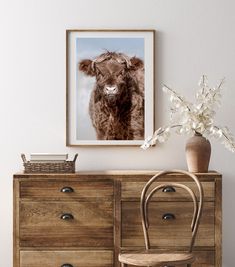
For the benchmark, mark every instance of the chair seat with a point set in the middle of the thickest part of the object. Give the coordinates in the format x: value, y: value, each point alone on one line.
x: 150, y: 258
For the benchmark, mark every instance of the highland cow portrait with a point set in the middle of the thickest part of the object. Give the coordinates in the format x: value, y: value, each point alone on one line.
x: 109, y: 100
x: 116, y: 105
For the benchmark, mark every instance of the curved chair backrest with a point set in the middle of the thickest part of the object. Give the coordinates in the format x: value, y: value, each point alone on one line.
x: 146, y: 196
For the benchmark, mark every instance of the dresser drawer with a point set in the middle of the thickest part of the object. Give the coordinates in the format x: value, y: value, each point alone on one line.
x: 59, y: 258
x: 133, y: 190
x: 203, y: 259
x: 172, y: 232
x: 60, y: 189
x: 50, y: 224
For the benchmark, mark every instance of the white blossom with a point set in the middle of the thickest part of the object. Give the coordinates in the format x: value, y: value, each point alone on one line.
x: 147, y: 143
x: 189, y: 118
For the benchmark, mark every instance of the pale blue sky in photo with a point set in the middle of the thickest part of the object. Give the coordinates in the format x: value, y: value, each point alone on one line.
x: 90, y: 48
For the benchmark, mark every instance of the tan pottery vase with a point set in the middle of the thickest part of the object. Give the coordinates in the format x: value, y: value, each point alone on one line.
x: 198, y: 152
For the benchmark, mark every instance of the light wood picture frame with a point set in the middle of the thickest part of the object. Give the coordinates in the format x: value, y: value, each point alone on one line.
x: 109, y: 86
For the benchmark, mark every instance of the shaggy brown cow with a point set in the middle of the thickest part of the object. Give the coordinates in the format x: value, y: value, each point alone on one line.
x: 117, y: 101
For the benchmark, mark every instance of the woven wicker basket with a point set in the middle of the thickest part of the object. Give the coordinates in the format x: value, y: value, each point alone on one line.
x: 49, y: 167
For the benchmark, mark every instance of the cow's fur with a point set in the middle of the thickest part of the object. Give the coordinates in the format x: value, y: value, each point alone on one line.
x: 117, y: 101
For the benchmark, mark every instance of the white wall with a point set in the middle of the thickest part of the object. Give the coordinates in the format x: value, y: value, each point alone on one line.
x: 193, y: 37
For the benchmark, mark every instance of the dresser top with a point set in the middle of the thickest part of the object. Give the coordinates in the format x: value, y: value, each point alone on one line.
x: 108, y: 173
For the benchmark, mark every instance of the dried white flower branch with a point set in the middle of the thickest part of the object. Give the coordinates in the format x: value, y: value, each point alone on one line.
x: 189, y: 118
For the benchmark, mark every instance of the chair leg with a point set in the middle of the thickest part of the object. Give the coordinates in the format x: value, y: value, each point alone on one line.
x: 188, y: 265
x: 123, y: 264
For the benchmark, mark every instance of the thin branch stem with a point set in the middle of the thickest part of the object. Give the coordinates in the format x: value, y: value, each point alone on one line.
x: 225, y: 136
x: 222, y: 81
x: 203, y: 81
x: 179, y: 97
x: 164, y: 129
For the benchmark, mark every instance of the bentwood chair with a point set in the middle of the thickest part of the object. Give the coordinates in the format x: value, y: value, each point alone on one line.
x: 150, y: 257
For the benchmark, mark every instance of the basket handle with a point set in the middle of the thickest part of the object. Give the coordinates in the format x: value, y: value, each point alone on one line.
x: 75, y: 157
x: 23, y: 158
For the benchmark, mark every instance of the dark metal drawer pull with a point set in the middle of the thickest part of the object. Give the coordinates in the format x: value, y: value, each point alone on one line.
x: 168, y: 216
x: 67, y: 265
x: 168, y: 189
x: 67, y: 189
x: 66, y: 216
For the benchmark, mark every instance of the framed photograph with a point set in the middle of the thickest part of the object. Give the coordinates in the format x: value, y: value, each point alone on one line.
x: 109, y: 86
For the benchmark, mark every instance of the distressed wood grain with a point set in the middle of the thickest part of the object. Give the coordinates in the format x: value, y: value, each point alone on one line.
x: 89, y: 258
x: 105, y: 207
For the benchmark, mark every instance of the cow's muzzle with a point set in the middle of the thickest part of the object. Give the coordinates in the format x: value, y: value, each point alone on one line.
x: 111, y: 90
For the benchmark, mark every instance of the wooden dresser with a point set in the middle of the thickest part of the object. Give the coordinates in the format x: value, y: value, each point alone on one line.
x: 86, y: 219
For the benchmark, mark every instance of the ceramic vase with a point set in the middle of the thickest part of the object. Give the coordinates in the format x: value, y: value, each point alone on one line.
x: 198, y: 152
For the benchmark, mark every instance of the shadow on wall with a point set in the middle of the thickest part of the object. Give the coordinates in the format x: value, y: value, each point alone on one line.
x: 159, y: 67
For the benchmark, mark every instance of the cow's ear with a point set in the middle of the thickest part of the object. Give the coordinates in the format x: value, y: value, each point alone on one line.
x: 136, y: 63
x: 86, y: 66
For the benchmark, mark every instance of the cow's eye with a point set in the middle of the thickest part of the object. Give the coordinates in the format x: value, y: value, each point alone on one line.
x: 99, y: 73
